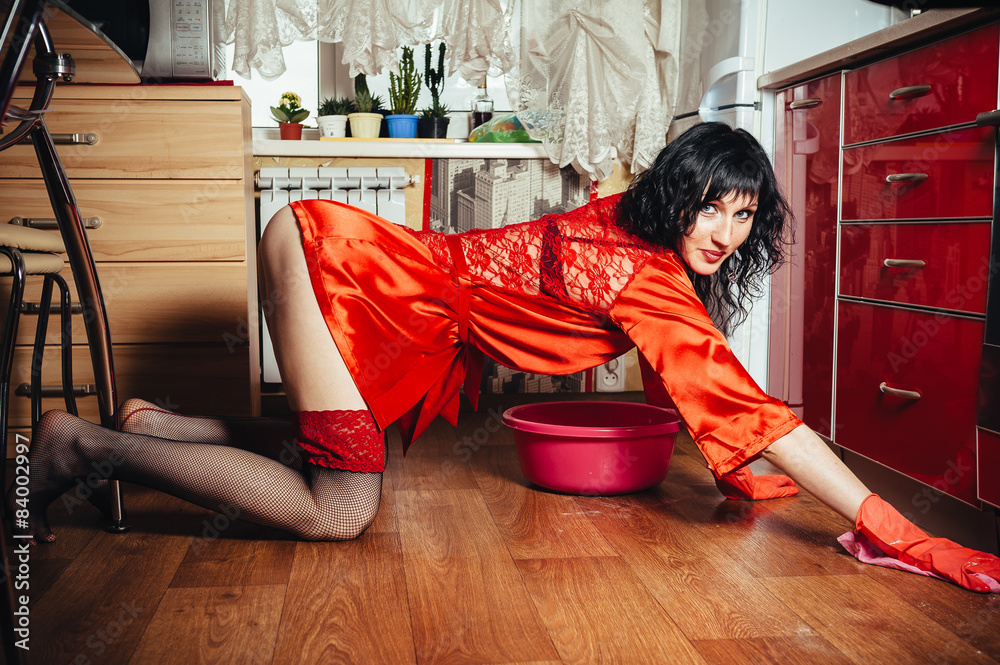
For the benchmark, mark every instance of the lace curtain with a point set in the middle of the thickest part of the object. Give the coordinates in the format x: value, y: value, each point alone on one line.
x: 594, y: 76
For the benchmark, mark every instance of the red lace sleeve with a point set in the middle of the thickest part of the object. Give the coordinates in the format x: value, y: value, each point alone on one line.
x: 581, y: 258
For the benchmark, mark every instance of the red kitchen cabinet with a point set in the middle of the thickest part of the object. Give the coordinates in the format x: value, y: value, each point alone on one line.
x: 807, y: 144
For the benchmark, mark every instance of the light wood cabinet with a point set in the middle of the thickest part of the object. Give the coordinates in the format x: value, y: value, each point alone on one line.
x: 169, y: 179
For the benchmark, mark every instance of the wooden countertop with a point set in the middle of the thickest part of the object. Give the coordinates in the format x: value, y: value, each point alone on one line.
x: 935, y: 23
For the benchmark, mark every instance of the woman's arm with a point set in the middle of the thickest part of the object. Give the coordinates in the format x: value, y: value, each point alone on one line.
x: 810, y: 462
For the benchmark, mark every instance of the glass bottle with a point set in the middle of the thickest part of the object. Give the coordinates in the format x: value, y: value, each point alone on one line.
x: 482, y: 107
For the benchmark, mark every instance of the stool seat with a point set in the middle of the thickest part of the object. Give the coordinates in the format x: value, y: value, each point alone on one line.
x: 42, y: 251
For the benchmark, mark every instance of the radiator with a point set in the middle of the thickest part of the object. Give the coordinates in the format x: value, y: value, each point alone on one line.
x: 377, y: 189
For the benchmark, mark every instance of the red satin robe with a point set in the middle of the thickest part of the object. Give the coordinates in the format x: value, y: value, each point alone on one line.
x: 413, y: 313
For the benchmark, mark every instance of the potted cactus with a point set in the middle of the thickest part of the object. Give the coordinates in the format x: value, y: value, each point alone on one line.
x: 433, y: 121
x: 403, y: 93
x: 290, y: 114
x: 365, y: 123
x: 332, y: 117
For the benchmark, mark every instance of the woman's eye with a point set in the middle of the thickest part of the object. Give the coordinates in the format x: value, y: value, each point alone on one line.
x: 745, y: 214
x: 708, y: 209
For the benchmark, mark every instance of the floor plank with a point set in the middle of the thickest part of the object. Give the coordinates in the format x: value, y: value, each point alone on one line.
x: 247, y: 555
x: 467, y: 601
x: 810, y: 649
x: 704, y: 590
x: 102, y: 602
x: 436, y: 462
x: 346, y: 603
x: 862, y: 619
x: 791, y: 536
x: 597, y: 611
x: 534, y: 523
x: 213, y: 625
x: 973, y: 617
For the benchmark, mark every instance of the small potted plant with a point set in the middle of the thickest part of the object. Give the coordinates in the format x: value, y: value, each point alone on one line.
x: 403, y: 93
x: 290, y: 114
x: 365, y: 122
x: 433, y: 121
x: 332, y: 117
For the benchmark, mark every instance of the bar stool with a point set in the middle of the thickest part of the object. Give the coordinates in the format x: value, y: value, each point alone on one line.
x: 25, y: 252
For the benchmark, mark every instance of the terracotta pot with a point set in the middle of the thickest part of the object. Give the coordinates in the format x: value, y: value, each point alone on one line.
x: 290, y: 131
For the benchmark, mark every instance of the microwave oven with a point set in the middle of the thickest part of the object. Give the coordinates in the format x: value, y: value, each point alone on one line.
x: 167, y: 40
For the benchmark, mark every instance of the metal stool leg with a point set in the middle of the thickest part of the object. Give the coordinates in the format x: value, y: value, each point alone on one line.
x: 65, y: 344
x: 95, y: 316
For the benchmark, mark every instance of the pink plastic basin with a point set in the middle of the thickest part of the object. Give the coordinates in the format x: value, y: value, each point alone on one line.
x: 591, y: 447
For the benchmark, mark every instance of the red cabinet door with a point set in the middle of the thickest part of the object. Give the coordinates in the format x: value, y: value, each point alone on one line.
x: 942, y: 84
x: 807, y: 141
x: 907, y: 392
x: 948, y: 175
x: 946, y: 266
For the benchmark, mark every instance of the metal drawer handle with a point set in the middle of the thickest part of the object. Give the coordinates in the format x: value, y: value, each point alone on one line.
x: 906, y: 177
x: 904, y: 263
x: 80, y: 390
x: 88, y: 138
x: 898, y: 392
x: 909, y: 92
x: 40, y: 223
x: 812, y: 102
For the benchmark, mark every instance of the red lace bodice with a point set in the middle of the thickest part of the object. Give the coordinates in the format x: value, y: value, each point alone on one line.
x: 581, y: 258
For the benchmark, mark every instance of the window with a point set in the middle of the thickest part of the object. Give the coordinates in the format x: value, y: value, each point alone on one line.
x: 314, y: 72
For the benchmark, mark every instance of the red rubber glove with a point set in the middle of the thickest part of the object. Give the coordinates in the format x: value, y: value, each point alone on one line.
x: 901, y: 539
x: 743, y: 485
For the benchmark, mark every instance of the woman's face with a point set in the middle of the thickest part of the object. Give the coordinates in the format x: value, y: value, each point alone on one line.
x: 721, y: 227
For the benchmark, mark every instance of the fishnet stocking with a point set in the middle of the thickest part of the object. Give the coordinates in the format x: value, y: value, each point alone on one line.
x: 270, y: 437
x: 314, y: 504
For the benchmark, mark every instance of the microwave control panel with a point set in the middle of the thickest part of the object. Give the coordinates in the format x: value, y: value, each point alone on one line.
x: 191, y: 48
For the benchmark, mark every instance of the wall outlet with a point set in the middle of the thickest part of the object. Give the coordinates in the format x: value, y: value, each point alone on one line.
x: 610, y: 377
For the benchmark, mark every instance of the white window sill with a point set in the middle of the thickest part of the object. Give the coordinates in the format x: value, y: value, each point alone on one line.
x: 266, y: 142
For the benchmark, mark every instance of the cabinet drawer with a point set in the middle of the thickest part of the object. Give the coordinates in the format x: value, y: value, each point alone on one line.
x: 931, y: 439
x: 945, y: 175
x: 194, y: 379
x: 989, y: 467
x: 140, y: 139
x: 955, y: 274
x: 154, y: 303
x: 158, y: 220
x: 961, y: 73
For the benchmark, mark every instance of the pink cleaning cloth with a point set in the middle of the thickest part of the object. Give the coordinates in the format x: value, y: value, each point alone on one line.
x: 865, y: 551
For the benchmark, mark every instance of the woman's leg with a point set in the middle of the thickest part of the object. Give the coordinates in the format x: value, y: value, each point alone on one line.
x: 318, y: 503
x: 270, y: 437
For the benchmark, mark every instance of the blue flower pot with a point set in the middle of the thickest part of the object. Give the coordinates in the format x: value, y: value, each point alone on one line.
x: 402, y: 126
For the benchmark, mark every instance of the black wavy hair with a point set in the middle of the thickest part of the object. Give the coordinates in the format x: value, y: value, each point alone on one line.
x: 706, y: 163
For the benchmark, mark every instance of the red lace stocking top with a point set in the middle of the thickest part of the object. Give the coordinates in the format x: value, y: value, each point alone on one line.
x: 413, y: 313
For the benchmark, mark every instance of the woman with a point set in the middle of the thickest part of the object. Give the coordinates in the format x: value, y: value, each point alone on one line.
x: 397, y: 321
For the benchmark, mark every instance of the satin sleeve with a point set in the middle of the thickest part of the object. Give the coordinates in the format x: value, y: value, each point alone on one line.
x: 727, y: 414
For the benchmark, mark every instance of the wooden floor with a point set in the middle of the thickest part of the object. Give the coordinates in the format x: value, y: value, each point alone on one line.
x: 467, y: 563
